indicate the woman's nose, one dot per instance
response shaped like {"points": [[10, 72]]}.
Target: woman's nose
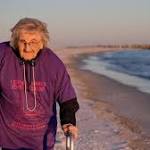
{"points": [[27, 47]]}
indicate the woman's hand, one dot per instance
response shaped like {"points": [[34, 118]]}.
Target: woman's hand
{"points": [[71, 129]]}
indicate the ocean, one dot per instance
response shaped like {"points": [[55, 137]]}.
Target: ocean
{"points": [[129, 67]]}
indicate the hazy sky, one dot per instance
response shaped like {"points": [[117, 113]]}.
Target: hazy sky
{"points": [[82, 22]]}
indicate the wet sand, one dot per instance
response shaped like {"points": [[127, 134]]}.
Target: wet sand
{"points": [[98, 96]]}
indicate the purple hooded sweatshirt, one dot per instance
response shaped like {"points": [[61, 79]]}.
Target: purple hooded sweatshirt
{"points": [[28, 96]]}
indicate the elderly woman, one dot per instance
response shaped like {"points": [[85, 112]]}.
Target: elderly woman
{"points": [[32, 80]]}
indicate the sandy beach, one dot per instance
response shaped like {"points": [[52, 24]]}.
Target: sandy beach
{"points": [[101, 125]]}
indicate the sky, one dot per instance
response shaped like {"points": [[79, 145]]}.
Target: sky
{"points": [[82, 22]]}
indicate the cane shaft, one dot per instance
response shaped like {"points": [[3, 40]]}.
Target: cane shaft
{"points": [[69, 142]]}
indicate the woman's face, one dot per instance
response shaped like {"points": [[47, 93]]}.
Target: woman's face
{"points": [[29, 44]]}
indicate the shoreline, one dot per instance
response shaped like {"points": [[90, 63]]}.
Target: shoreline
{"points": [[103, 109], [129, 101]]}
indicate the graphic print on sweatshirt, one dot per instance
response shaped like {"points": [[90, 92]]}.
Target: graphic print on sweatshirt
{"points": [[20, 111]]}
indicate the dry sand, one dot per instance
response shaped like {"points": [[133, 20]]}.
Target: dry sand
{"points": [[100, 125]]}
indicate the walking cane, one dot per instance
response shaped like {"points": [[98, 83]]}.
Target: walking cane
{"points": [[69, 141]]}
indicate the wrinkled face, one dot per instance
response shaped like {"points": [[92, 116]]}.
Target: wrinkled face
{"points": [[29, 44]]}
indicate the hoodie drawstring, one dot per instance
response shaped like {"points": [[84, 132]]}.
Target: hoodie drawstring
{"points": [[25, 89]]}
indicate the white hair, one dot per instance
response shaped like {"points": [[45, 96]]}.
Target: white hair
{"points": [[30, 25]]}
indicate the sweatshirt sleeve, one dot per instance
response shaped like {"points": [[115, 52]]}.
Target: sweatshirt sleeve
{"points": [[66, 97], [64, 90]]}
